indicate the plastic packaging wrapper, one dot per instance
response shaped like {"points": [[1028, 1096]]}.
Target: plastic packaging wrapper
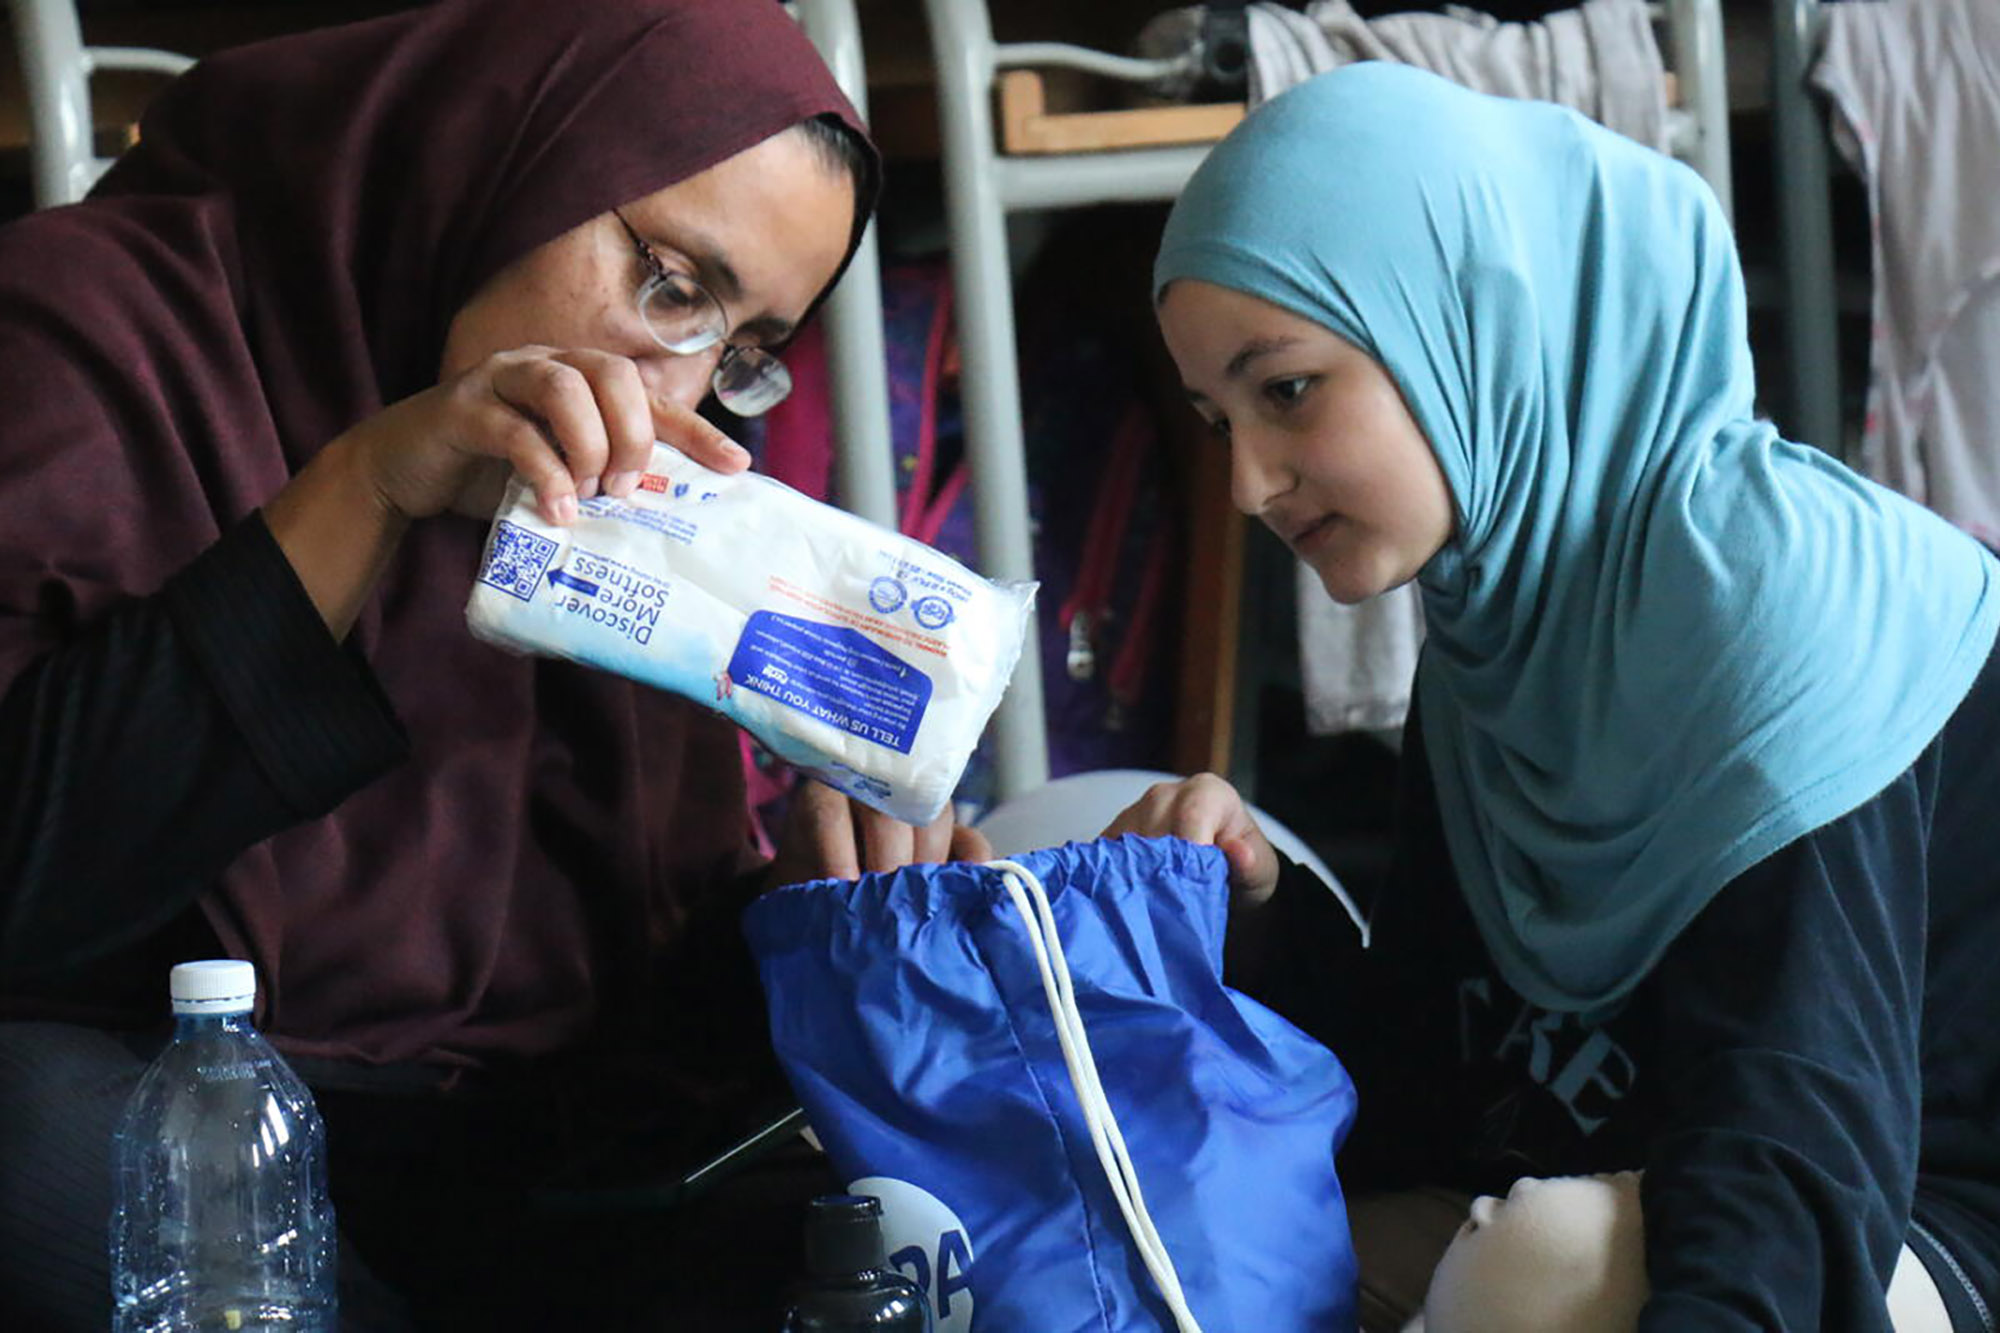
{"points": [[859, 655]]}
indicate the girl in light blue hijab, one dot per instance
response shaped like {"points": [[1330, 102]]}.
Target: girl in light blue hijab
{"points": [[1696, 869]]}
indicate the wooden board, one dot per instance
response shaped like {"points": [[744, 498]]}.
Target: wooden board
{"points": [[1029, 128]]}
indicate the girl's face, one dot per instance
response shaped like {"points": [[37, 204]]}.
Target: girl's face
{"points": [[763, 232], [1322, 448]]}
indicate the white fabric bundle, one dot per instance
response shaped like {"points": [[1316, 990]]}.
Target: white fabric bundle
{"points": [[857, 654]]}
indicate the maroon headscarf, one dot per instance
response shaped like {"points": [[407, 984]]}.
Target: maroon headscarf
{"points": [[276, 261]]}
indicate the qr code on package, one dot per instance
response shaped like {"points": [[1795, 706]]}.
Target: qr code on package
{"points": [[517, 560]]}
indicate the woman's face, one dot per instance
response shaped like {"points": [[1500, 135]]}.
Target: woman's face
{"points": [[763, 231], [1322, 448]]}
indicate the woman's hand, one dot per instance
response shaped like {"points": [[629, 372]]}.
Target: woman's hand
{"points": [[1205, 808], [571, 423], [828, 836]]}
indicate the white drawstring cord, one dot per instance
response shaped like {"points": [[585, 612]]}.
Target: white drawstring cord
{"points": [[1032, 901]]}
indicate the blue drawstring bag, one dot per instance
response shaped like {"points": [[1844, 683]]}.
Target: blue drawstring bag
{"points": [[1073, 1126]]}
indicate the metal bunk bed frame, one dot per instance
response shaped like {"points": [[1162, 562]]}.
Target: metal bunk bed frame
{"points": [[983, 185]]}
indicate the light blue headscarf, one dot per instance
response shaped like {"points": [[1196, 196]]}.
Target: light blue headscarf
{"points": [[1663, 642]]}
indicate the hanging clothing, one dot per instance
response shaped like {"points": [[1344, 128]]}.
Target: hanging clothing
{"points": [[435, 853], [1600, 58], [1916, 95], [1640, 676], [1357, 663]]}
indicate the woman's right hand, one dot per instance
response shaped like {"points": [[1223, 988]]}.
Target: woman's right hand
{"points": [[571, 423], [1205, 808], [828, 836]]}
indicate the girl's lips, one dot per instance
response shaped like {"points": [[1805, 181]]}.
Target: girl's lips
{"points": [[1312, 533]]}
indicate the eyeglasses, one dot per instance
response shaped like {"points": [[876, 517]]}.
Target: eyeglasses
{"points": [[687, 320]]}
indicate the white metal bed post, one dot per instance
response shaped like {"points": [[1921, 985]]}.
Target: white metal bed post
{"points": [[1694, 31], [981, 187], [989, 387], [51, 52], [1805, 226], [55, 69], [857, 359]]}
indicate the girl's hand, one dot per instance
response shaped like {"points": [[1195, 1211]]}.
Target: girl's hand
{"points": [[571, 423], [828, 836], [1205, 808]]}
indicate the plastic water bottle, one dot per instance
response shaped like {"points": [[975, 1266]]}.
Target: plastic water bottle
{"points": [[850, 1286], [221, 1218]]}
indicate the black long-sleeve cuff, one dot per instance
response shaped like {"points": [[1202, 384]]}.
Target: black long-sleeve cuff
{"points": [[309, 711]]}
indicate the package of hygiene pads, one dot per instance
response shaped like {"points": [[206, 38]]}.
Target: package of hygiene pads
{"points": [[865, 658]]}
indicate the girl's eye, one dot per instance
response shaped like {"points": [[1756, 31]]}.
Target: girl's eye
{"points": [[1288, 391], [1217, 426]]}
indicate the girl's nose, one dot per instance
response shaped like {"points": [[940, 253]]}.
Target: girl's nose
{"points": [[1256, 475]]}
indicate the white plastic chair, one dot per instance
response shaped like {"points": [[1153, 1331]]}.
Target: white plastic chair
{"points": [[1077, 808], [55, 69]]}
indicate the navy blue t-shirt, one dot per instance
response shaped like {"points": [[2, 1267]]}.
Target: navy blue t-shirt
{"points": [[1810, 1077]]}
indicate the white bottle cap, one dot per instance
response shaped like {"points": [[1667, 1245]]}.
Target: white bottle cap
{"points": [[213, 986]]}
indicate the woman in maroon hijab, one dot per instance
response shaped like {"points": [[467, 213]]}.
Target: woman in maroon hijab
{"points": [[344, 283]]}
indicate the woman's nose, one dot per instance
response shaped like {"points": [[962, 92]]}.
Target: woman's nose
{"points": [[680, 379]]}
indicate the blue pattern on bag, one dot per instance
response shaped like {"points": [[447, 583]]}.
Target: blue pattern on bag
{"points": [[909, 1013]]}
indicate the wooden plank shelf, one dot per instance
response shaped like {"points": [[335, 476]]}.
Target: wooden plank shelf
{"points": [[1029, 128]]}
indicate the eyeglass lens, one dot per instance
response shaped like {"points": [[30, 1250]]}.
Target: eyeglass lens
{"points": [[686, 320], [750, 382], [681, 314]]}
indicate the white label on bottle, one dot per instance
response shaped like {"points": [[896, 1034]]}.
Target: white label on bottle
{"points": [[928, 1245]]}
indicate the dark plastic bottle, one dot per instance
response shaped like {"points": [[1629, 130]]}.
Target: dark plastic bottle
{"points": [[849, 1285]]}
